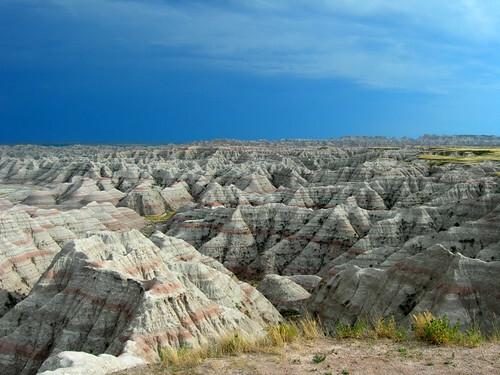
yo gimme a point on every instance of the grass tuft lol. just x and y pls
(281, 334)
(310, 329)
(360, 329)
(380, 328)
(318, 358)
(229, 345)
(387, 328)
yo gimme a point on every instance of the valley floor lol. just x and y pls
(350, 357)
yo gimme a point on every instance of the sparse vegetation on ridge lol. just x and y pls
(152, 220)
(458, 155)
(160, 218)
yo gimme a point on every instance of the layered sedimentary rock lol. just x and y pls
(288, 296)
(177, 195)
(117, 293)
(30, 237)
(145, 199)
(308, 282)
(368, 226)
(437, 280)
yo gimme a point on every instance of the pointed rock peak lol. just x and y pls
(237, 221)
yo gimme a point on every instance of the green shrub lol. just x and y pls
(472, 337)
(437, 331)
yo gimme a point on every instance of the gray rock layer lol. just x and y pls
(117, 293)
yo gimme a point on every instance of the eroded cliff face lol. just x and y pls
(30, 237)
(343, 228)
(118, 293)
(464, 289)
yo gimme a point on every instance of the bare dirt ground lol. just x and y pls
(350, 357)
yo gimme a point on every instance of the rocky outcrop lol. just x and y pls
(81, 363)
(308, 282)
(75, 194)
(119, 293)
(30, 238)
(437, 280)
(177, 195)
(145, 199)
(287, 296)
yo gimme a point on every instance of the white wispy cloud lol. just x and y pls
(413, 44)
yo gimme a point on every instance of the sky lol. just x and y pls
(153, 71)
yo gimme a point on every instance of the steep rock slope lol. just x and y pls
(288, 207)
(30, 237)
(118, 293)
(464, 289)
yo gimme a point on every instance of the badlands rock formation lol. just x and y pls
(288, 296)
(351, 228)
(121, 293)
(30, 237)
(437, 280)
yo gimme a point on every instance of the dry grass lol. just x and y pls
(439, 331)
(159, 218)
(229, 345)
(310, 329)
(276, 338)
(387, 328)
(426, 328)
(457, 155)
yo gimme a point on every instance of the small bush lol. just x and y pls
(437, 331)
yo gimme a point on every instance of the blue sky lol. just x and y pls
(129, 71)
